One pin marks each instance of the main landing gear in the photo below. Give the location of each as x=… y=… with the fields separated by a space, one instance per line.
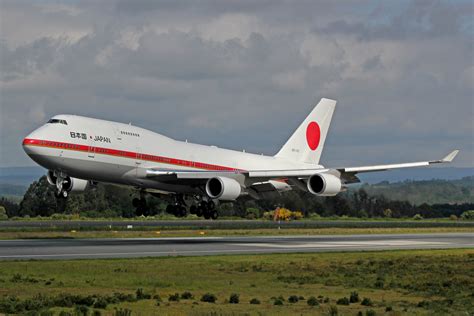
x=201 y=208
x=141 y=207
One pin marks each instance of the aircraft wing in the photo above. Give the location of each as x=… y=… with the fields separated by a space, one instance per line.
x=348 y=174
x=447 y=158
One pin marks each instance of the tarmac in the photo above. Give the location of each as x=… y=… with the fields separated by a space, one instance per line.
x=198 y=246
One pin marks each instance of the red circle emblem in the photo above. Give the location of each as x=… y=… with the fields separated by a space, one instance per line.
x=313 y=135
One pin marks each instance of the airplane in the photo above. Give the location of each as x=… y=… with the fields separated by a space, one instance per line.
x=79 y=152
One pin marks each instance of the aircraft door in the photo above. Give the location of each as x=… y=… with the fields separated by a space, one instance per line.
x=91 y=147
x=138 y=159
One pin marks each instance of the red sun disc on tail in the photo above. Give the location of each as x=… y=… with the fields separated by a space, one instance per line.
x=313 y=135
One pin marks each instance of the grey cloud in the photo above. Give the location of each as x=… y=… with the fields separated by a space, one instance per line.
x=419 y=19
x=401 y=93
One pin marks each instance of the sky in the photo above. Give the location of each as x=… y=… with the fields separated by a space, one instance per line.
x=244 y=74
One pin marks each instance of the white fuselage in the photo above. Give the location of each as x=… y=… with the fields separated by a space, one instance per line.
x=105 y=151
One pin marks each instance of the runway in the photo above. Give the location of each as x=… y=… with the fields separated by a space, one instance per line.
x=192 y=246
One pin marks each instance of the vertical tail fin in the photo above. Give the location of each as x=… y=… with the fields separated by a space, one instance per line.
x=307 y=142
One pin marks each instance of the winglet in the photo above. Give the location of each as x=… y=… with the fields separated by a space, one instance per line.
x=450 y=157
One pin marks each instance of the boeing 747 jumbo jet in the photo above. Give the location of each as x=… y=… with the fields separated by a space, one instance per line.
x=80 y=152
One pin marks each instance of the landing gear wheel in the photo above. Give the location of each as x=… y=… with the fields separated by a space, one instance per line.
x=214 y=214
x=207 y=215
x=141 y=206
x=193 y=209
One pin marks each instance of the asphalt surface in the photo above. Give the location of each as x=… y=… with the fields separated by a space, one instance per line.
x=156 y=247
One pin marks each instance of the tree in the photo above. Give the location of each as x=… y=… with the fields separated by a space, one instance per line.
x=3 y=213
x=39 y=199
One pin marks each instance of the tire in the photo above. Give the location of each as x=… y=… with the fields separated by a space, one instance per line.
x=211 y=205
x=64 y=194
x=199 y=211
x=170 y=209
x=193 y=209
x=135 y=202
x=207 y=215
x=214 y=214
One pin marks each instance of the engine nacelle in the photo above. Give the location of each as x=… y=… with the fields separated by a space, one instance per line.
x=69 y=184
x=222 y=188
x=324 y=184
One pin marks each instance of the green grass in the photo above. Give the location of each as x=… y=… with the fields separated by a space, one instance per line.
x=149 y=232
x=410 y=282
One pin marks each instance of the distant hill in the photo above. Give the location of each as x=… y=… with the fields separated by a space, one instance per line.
x=417 y=174
x=428 y=191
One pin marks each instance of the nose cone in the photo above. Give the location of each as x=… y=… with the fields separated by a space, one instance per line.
x=32 y=142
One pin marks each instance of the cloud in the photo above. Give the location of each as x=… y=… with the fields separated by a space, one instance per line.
x=244 y=74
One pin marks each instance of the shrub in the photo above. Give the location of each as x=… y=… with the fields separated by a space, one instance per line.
x=333 y=310
x=417 y=217
x=254 y=301
x=3 y=213
x=234 y=298
x=370 y=312
x=453 y=217
x=312 y=301
x=141 y=295
x=468 y=215
x=173 y=297
x=278 y=301
x=293 y=299
x=96 y=313
x=157 y=297
x=187 y=296
x=354 y=297
x=100 y=303
x=366 y=302
x=343 y=301
x=81 y=310
x=379 y=283
x=123 y=312
x=388 y=309
x=209 y=298
x=64 y=313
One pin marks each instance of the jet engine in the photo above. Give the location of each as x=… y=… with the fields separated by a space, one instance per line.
x=222 y=188
x=69 y=184
x=324 y=184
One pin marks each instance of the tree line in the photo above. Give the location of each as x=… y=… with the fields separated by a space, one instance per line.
x=107 y=200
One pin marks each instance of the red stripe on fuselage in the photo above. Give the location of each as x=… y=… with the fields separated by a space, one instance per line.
x=124 y=154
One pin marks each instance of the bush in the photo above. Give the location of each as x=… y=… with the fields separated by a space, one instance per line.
x=157 y=297
x=333 y=310
x=3 y=213
x=141 y=295
x=370 y=312
x=366 y=302
x=209 y=298
x=278 y=301
x=81 y=310
x=234 y=298
x=173 y=297
x=388 y=309
x=293 y=299
x=312 y=301
x=254 y=301
x=100 y=303
x=354 y=297
x=468 y=215
x=343 y=301
x=417 y=217
x=379 y=283
x=187 y=296
x=123 y=312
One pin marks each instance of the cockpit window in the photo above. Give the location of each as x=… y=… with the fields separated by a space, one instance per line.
x=56 y=121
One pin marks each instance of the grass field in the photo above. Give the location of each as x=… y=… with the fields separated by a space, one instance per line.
x=428 y=282
x=156 y=233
